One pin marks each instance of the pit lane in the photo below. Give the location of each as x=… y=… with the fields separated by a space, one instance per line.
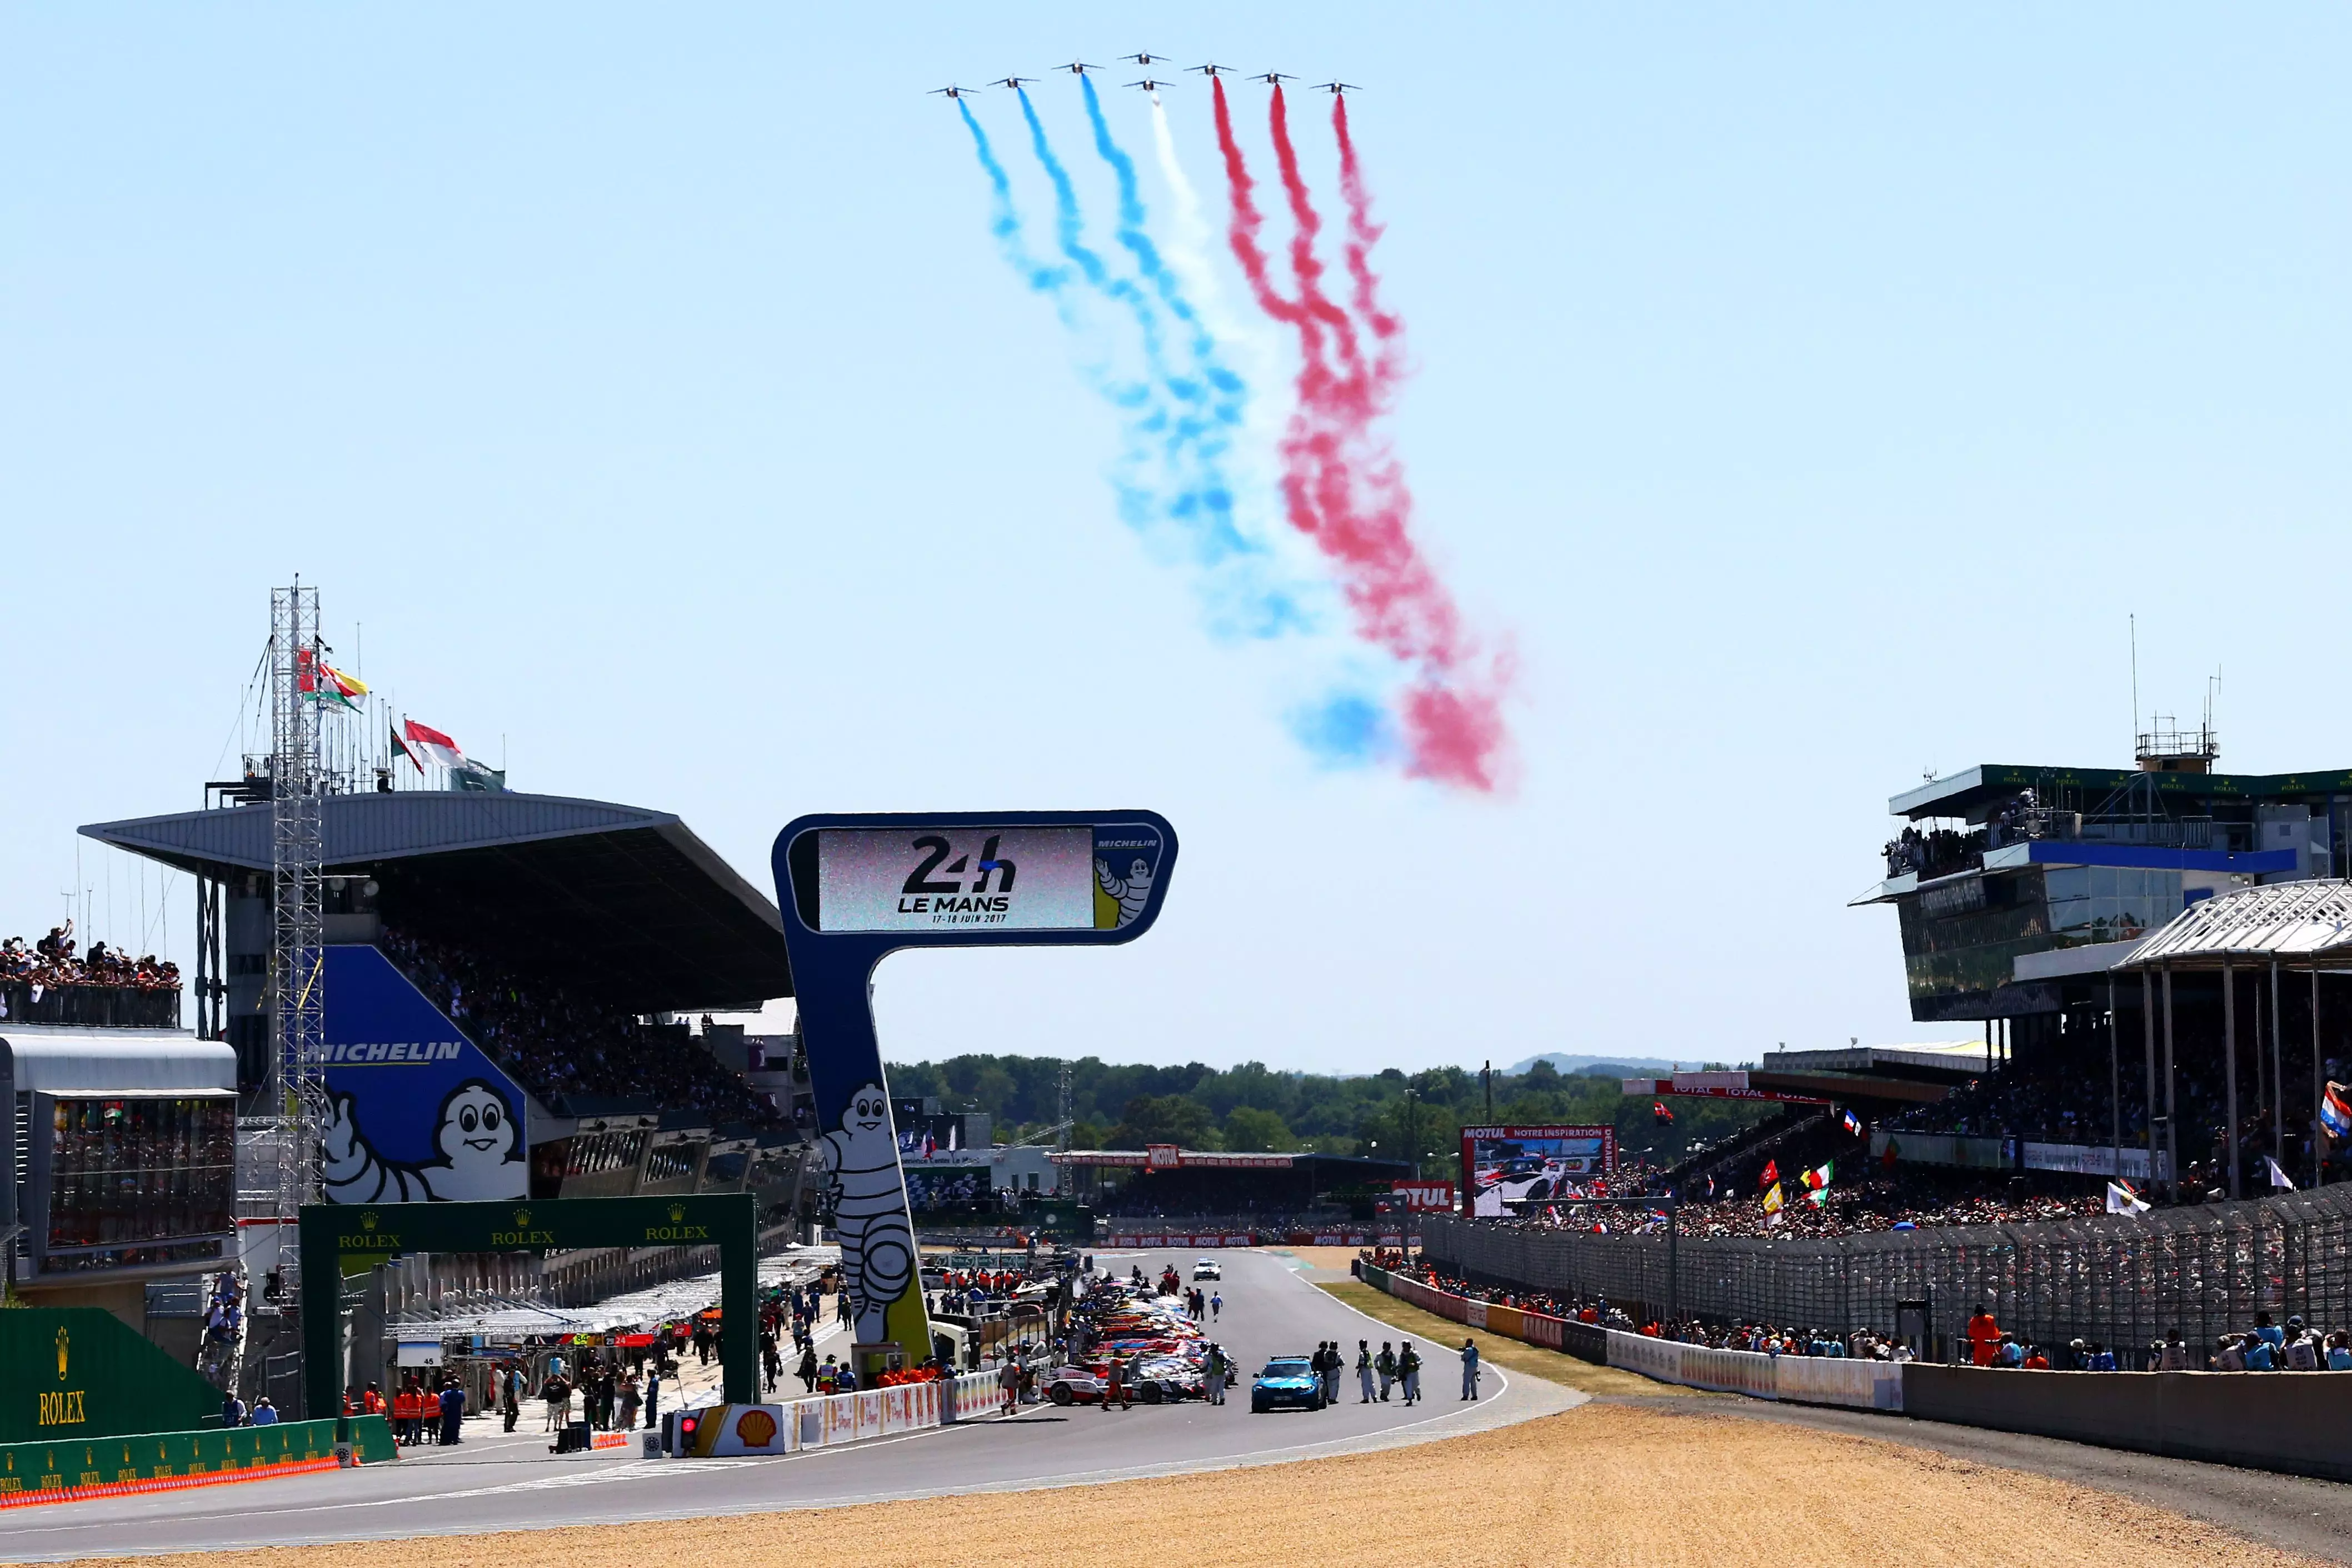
x=493 y=1482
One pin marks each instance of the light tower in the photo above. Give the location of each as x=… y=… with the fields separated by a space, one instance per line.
x=298 y=1092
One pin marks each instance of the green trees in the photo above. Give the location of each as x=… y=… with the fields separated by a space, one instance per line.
x=1250 y=1106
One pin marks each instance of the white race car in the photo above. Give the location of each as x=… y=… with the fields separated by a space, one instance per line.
x=1208 y=1268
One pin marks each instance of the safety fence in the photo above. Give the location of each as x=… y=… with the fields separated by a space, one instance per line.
x=729 y=1431
x=2113 y=1280
x=72 y=1469
x=1811 y=1380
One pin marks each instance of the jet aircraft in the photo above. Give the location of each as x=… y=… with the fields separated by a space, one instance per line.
x=1338 y=88
x=1274 y=78
x=1077 y=68
x=950 y=92
x=1011 y=81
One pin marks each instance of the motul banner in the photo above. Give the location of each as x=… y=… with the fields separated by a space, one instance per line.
x=1425 y=1197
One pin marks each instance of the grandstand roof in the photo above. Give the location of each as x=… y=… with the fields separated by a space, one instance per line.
x=613 y=900
x=2307 y=925
x=1958 y=793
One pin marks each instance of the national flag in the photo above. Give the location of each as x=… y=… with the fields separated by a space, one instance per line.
x=2121 y=1199
x=436 y=746
x=2335 y=1113
x=1819 y=1176
x=2278 y=1177
x=1771 y=1173
x=1772 y=1199
x=1818 y=1196
x=1710 y=1186
x=1852 y=1124
x=1887 y=1159
x=1658 y=1109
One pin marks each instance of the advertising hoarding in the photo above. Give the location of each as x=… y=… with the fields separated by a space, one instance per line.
x=1505 y=1162
x=1425 y=1197
x=417 y=1112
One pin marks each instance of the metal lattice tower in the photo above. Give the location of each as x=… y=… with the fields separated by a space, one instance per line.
x=299 y=853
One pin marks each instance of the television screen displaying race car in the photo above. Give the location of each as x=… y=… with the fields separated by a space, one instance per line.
x=1501 y=1164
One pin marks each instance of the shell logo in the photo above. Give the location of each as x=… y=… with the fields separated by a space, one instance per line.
x=755 y=1429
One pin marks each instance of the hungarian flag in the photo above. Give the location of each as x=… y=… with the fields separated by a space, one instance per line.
x=2335 y=1113
x=1852 y=1125
x=320 y=681
x=1772 y=1199
x=1658 y=1109
x=1819 y=1176
x=436 y=746
x=1771 y=1173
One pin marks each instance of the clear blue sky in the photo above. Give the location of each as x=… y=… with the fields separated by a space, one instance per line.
x=1810 y=393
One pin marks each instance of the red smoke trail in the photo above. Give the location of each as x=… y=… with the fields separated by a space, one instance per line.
x=1342 y=485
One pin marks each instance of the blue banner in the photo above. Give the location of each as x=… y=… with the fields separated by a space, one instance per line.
x=418 y=1113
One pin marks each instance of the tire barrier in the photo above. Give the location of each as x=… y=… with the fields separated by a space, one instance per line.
x=1810 y=1380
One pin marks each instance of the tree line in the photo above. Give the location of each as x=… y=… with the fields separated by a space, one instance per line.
x=1251 y=1107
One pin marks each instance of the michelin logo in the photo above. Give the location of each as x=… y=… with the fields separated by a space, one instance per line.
x=399 y=1053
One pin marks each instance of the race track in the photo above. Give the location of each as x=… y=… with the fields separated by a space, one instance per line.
x=493 y=1482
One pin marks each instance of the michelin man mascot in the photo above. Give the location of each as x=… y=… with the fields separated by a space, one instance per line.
x=1131 y=891
x=869 y=1213
x=476 y=1136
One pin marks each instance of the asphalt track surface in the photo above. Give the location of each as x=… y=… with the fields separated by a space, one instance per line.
x=493 y=1482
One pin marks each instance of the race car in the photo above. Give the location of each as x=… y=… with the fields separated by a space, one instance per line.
x=1207 y=1269
x=1286 y=1382
x=1074 y=1385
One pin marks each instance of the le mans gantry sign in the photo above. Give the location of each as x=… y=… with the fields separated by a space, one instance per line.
x=856 y=889
x=853 y=890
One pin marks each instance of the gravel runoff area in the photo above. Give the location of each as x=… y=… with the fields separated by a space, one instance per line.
x=1601 y=1484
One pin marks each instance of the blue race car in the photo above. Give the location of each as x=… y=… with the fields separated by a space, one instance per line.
x=1288 y=1381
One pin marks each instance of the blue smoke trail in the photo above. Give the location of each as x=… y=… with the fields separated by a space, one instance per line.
x=1236 y=589
x=1211 y=401
x=1004 y=222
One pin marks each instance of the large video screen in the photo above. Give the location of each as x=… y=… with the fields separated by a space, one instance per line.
x=1501 y=1163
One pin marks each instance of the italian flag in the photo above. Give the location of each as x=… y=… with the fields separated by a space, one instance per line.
x=1818 y=1178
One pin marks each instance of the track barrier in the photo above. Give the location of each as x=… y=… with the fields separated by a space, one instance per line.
x=1810 y=1380
x=830 y=1420
x=75 y=1469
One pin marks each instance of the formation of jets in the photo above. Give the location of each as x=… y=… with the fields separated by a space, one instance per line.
x=1149 y=84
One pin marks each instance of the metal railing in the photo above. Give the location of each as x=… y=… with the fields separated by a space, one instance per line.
x=2112 y=1279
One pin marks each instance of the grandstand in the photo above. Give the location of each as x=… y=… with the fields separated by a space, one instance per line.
x=573 y=941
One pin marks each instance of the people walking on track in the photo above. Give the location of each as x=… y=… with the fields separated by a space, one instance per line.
x=1408 y=1372
x=453 y=1410
x=1469 y=1369
x=1217 y=1304
x=1386 y=1363
x=1364 y=1371
x=1213 y=1380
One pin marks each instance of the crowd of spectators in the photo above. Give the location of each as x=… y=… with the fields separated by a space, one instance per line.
x=557 y=1044
x=52 y=964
